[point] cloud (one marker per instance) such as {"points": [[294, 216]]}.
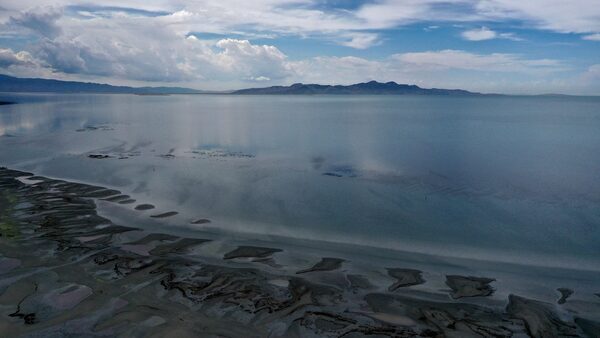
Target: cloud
{"points": [[592, 73], [40, 20], [155, 53], [445, 68], [592, 37], [576, 16], [9, 58], [246, 60], [160, 49], [510, 36], [484, 33], [392, 13], [259, 79], [111, 57], [479, 34], [496, 62], [21, 63], [338, 70], [91, 11], [191, 41], [361, 40], [310, 18]]}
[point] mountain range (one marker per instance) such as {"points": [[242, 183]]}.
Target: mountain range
{"points": [[14, 84], [366, 88]]}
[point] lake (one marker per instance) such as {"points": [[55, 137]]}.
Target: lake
{"points": [[509, 179]]}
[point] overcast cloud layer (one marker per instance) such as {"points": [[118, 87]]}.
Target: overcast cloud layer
{"points": [[508, 46]]}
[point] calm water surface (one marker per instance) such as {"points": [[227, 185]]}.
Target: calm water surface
{"points": [[504, 178]]}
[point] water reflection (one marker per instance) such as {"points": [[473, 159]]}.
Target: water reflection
{"points": [[512, 175]]}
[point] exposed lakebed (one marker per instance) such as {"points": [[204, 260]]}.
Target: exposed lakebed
{"points": [[65, 270]]}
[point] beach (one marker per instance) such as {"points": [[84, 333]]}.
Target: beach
{"points": [[65, 270]]}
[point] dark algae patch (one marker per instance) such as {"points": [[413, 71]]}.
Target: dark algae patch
{"points": [[405, 277], [564, 294], [165, 214], [326, 264], [201, 221], [8, 225], [99, 156], [142, 207], [469, 286], [250, 251]]}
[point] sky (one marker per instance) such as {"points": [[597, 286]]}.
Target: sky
{"points": [[500, 46]]}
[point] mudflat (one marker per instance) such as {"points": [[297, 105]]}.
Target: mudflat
{"points": [[65, 270]]}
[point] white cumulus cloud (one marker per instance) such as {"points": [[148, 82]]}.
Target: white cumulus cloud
{"points": [[360, 40], [10, 58], [479, 34], [484, 33]]}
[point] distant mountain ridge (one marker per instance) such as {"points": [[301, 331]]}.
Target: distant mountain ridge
{"points": [[15, 84], [365, 88]]}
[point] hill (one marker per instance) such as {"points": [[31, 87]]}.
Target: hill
{"points": [[15, 84], [366, 88]]}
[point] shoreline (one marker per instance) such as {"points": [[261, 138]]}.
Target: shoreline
{"points": [[66, 270], [471, 256]]}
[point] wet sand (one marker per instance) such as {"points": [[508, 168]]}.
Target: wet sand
{"points": [[66, 271]]}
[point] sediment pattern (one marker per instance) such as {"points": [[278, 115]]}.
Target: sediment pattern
{"points": [[66, 271]]}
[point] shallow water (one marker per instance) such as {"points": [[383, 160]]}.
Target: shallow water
{"points": [[513, 179]]}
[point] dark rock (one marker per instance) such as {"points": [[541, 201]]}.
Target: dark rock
{"points": [[154, 238], [446, 319], [539, 318], [468, 286], [104, 193], [127, 201], [201, 221], [328, 324], [564, 294], [178, 247], [250, 251], [326, 264], [359, 282], [405, 277], [117, 198], [99, 156], [143, 207], [126, 265], [165, 214]]}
